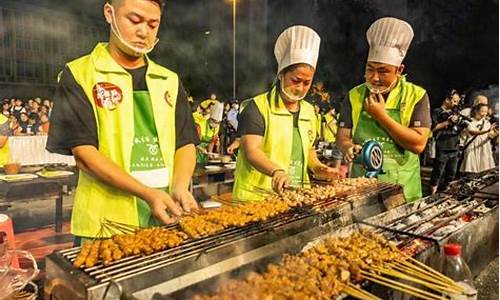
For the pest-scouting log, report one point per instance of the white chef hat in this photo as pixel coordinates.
(297, 44)
(389, 40)
(216, 111)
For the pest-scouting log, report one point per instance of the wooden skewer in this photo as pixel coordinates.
(425, 276)
(426, 267)
(433, 286)
(401, 286)
(120, 227)
(427, 270)
(356, 292)
(363, 292)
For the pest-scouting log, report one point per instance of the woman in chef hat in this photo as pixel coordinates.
(277, 129)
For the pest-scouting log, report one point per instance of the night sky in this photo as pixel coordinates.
(455, 44)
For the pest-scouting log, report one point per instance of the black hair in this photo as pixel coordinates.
(451, 93)
(293, 67)
(477, 108)
(33, 116)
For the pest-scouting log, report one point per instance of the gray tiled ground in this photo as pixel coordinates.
(487, 282)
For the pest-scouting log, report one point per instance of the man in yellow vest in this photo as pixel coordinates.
(208, 132)
(277, 129)
(388, 109)
(128, 124)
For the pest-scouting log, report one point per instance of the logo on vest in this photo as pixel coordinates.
(311, 136)
(107, 95)
(168, 99)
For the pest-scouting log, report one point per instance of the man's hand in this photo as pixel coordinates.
(375, 106)
(234, 145)
(352, 152)
(280, 181)
(322, 172)
(453, 119)
(186, 199)
(159, 202)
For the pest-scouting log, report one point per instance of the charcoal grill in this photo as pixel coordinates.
(198, 259)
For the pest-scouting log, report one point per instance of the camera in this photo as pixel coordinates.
(461, 120)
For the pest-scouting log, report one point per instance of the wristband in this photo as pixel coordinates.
(276, 170)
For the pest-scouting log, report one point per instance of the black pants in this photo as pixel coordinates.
(444, 169)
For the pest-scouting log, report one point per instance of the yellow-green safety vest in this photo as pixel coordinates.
(95, 200)
(207, 133)
(5, 150)
(328, 134)
(276, 144)
(400, 166)
(197, 116)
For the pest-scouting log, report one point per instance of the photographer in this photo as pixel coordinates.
(447, 123)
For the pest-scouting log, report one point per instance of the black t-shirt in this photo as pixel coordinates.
(447, 139)
(251, 121)
(73, 122)
(420, 118)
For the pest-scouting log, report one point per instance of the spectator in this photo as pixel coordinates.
(478, 99)
(18, 108)
(44, 124)
(6, 106)
(44, 109)
(15, 128)
(47, 102)
(33, 127)
(478, 155)
(446, 130)
(23, 124)
(35, 107)
(230, 124)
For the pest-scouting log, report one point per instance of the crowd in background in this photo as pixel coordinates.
(464, 138)
(473, 130)
(27, 117)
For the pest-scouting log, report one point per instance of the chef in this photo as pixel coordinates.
(277, 128)
(387, 108)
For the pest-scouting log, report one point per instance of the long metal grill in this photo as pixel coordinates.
(198, 254)
(139, 263)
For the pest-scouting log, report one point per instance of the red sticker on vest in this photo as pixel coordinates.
(107, 95)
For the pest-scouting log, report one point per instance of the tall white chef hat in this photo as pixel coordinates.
(389, 40)
(216, 111)
(297, 44)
